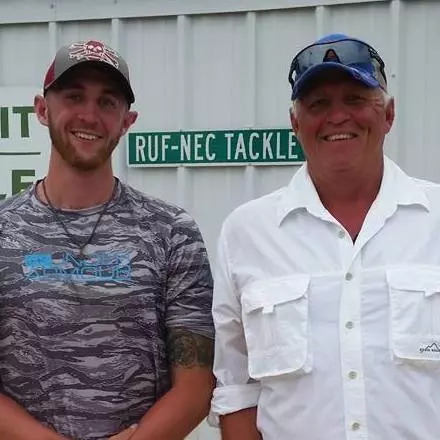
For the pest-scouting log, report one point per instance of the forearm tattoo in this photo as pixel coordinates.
(186, 349)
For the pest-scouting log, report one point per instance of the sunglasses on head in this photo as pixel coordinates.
(349, 52)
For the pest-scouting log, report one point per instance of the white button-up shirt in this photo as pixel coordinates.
(331, 339)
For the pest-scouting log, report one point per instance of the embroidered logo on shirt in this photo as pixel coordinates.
(431, 348)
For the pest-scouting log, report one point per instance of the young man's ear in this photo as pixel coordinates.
(40, 106)
(130, 119)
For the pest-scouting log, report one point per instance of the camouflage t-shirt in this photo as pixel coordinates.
(82, 338)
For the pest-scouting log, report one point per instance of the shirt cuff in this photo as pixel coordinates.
(231, 398)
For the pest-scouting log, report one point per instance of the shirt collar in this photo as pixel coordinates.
(397, 188)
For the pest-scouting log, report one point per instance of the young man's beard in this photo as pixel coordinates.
(69, 154)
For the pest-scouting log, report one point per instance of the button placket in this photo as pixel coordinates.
(351, 352)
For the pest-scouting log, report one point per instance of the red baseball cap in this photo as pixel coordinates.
(90, 51)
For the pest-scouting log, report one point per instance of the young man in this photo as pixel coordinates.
(105, 293)
(327, 292)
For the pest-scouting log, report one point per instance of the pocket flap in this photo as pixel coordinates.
(268, 293)
(422, 279)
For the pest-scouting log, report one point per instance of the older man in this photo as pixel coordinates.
(327, 292)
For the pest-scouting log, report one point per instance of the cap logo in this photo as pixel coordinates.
(330, 55)
(93, 51)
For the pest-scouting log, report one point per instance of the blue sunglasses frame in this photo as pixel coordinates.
(348, 52)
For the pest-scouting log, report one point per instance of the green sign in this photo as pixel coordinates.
(24, 154)
(230, 147)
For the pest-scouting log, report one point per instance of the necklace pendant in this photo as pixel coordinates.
(61, 222)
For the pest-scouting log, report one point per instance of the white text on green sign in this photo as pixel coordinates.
(263, 146)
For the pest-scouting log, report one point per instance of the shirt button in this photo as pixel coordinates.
(352, 374)
(349, 325)
(349, 276)
(355, 426)
(341, 234)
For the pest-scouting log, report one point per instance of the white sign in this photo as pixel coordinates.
(24, 142)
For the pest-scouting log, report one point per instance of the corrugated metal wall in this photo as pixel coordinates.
(210, 64)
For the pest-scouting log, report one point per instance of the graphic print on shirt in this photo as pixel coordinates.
(100, 266)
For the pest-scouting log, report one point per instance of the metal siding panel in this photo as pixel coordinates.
(212, 194)
(74, 10)
(420, 89)
(69, 32)
(269, 179)
(218, 72)
(158, 182)
(280, 34)
(150, 48)
(26, 11)
(24, 58)
(368, 21)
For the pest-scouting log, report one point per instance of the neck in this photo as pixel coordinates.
(349, 196)
(72, 189)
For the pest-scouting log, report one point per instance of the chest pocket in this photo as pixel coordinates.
(415, 313)
(275, 321)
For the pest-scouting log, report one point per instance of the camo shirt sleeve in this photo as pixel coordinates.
(189, 280)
